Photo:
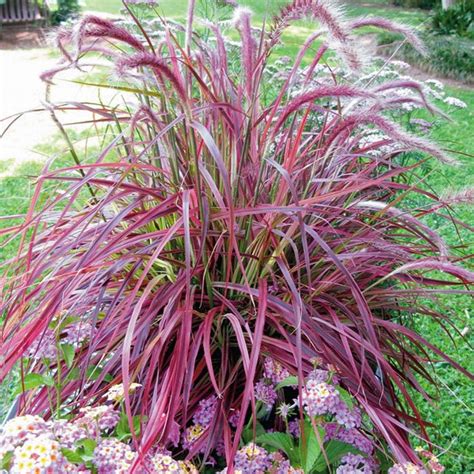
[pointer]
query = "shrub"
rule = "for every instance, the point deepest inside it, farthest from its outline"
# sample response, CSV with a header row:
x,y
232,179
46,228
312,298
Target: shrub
x,y
449,56
230,229
67,9
456,20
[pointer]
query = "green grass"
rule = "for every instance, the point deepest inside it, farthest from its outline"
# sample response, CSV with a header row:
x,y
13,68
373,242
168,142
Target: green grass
x,y
452,414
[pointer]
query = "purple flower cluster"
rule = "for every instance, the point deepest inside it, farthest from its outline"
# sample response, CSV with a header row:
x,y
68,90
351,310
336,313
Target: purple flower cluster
x,y
113,457
280,465
67,433
234,418
354,464
44,347
202,418
274,371
320,398
350,436
206,411
266,393
265,388
78,333
294,428
406,468
252,459
350,418
99,418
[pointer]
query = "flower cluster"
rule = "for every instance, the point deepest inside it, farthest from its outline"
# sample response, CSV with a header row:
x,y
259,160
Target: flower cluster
x,y
39,454
431,461
253,459
274,371
406,468
431,465
44,347
265,392
354,464
191,435
116,393
455,102
99,418
28,444
319,398
68,433
202,418
206,411
163,463
351,436
33,447
265,388
113,457
78,333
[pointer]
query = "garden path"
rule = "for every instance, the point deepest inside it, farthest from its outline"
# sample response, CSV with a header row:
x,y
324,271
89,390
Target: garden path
x,y
23,57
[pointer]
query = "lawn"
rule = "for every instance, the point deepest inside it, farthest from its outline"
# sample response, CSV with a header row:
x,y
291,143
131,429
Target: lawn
x,y
453,413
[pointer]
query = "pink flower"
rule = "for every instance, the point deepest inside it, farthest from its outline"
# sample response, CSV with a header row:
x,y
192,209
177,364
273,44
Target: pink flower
x,y
44,347
265,393
274,371
113,457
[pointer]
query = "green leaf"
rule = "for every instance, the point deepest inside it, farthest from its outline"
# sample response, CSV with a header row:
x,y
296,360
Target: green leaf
x,y
93,372
6,461
31,381
283,442
69,352
122,430
290,381
73,374
310,451
247,434
72,456
334,450
346,397
86,448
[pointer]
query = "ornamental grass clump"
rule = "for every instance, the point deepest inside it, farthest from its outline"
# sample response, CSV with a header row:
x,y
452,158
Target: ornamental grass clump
x,y
239,250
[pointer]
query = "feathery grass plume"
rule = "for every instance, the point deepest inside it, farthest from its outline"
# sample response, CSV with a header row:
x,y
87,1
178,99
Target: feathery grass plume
x,y
208,235
156,64
242,21
463,196
330,16
388,25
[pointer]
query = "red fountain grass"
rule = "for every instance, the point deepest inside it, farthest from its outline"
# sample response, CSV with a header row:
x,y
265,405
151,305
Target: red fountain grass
x,y
230,230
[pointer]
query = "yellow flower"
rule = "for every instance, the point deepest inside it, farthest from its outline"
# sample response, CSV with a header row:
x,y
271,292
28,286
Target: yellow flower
x,y
194,432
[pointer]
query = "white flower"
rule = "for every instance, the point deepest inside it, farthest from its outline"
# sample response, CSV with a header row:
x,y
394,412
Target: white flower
x,y
116,392
435,83
455,102
399,64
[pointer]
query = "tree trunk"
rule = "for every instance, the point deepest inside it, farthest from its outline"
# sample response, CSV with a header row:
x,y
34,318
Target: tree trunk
x,y
447,3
